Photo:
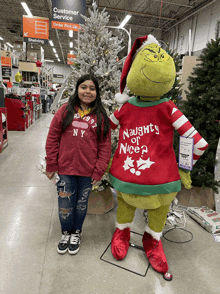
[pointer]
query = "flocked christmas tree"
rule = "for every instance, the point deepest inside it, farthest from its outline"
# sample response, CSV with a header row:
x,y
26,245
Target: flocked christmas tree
x,y
202,108
97,53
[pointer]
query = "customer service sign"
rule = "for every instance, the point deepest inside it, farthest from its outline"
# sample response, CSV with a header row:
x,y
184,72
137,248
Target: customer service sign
x,y
66,14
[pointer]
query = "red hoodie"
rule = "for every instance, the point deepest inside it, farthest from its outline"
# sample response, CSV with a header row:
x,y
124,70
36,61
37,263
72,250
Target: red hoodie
x,y
77,150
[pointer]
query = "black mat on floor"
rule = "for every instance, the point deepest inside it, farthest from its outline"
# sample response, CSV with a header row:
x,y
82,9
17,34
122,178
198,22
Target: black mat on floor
x,y
135,262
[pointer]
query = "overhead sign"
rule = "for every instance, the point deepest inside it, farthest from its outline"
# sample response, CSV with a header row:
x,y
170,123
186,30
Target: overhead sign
x,y
58,76
66,14
36,41
70,58
35,29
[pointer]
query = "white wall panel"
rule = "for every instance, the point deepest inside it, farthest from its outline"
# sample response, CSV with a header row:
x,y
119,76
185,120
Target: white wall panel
x,y
214,18
183,43
202,29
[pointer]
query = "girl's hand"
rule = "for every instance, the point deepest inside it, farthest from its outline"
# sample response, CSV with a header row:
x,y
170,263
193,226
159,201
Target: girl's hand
x,y
94,182
50,175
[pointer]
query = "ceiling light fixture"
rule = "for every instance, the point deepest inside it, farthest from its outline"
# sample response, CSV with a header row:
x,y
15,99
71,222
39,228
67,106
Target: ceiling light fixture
x,y
51,43
71,52
10,45
70,34
47,60
26,9
56,55
58,59
54,50
71,44
1,38
123,23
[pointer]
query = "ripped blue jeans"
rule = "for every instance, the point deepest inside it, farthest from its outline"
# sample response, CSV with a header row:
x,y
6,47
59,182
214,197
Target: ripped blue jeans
x,y
73,194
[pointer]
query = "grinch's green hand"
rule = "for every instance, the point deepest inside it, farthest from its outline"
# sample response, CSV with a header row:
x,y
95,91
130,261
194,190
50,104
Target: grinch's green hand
x,y
185,179
109,165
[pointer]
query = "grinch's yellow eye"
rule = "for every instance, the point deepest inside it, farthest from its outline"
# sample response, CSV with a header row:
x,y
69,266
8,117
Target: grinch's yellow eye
x,y
164,57
152,57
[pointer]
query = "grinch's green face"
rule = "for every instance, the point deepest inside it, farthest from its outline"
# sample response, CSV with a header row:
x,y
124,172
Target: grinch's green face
x,y
152,72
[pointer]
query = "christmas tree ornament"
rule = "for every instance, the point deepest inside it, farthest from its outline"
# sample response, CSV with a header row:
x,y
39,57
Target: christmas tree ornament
x,y
38,63
18,77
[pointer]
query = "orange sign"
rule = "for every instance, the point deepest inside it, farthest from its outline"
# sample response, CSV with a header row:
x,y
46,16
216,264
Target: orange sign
x,y
65,26
70,58
6,61
35,27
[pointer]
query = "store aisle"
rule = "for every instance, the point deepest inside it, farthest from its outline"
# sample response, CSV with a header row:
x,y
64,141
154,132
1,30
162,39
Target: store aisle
x,y
30,231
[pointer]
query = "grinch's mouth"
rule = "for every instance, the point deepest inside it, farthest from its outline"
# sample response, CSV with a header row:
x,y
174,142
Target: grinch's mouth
x,y
142,70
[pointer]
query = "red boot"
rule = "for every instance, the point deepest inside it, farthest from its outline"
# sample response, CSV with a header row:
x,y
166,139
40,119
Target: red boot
x,y
155,253
120,243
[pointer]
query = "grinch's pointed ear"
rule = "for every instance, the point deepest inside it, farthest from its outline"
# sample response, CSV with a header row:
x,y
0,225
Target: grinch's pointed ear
x,y
121,98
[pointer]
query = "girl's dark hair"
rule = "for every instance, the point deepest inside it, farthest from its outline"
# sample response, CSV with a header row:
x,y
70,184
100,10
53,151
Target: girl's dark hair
x,y
96,106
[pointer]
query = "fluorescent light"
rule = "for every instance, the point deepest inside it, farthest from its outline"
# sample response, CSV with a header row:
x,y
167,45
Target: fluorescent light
x,y
26,9
9,45
51,43
1,38
71,52
70,34
47,60
71,44
58,59
54,50
124,21
56,55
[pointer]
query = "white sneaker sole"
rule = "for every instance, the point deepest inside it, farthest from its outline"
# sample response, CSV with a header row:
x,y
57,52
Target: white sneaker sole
x,y
73,252
62,251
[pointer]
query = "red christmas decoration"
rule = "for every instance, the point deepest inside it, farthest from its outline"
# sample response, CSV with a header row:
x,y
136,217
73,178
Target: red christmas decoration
x,y
38,63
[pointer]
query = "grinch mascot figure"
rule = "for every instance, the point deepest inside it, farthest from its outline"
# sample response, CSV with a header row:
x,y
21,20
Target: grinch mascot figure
x,y
144,170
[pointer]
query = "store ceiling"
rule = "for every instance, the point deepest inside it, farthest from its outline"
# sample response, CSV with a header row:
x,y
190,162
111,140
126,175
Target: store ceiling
x,y
148,17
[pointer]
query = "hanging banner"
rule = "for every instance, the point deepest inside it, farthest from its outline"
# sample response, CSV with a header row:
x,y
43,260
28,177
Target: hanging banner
x,y
35,29
70,58
66,14
58,76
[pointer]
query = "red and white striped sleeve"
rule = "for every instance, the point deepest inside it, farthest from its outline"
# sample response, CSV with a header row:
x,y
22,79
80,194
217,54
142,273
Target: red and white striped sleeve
x,y
185,128
114,119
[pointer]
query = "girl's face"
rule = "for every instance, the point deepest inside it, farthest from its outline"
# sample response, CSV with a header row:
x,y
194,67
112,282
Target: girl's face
x,y
87,92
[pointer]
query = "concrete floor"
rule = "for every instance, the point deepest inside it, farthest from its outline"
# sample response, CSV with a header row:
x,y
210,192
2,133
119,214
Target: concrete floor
x,y
30,231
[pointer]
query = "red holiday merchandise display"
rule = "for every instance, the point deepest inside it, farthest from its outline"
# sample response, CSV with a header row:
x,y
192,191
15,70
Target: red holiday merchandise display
x,y
19,113
16,114
3,129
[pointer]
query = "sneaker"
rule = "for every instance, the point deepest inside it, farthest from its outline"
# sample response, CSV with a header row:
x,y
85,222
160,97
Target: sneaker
x,y
64,243
75,240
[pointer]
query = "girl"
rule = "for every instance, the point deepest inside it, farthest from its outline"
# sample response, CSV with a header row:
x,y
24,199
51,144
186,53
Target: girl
x,y
78,148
